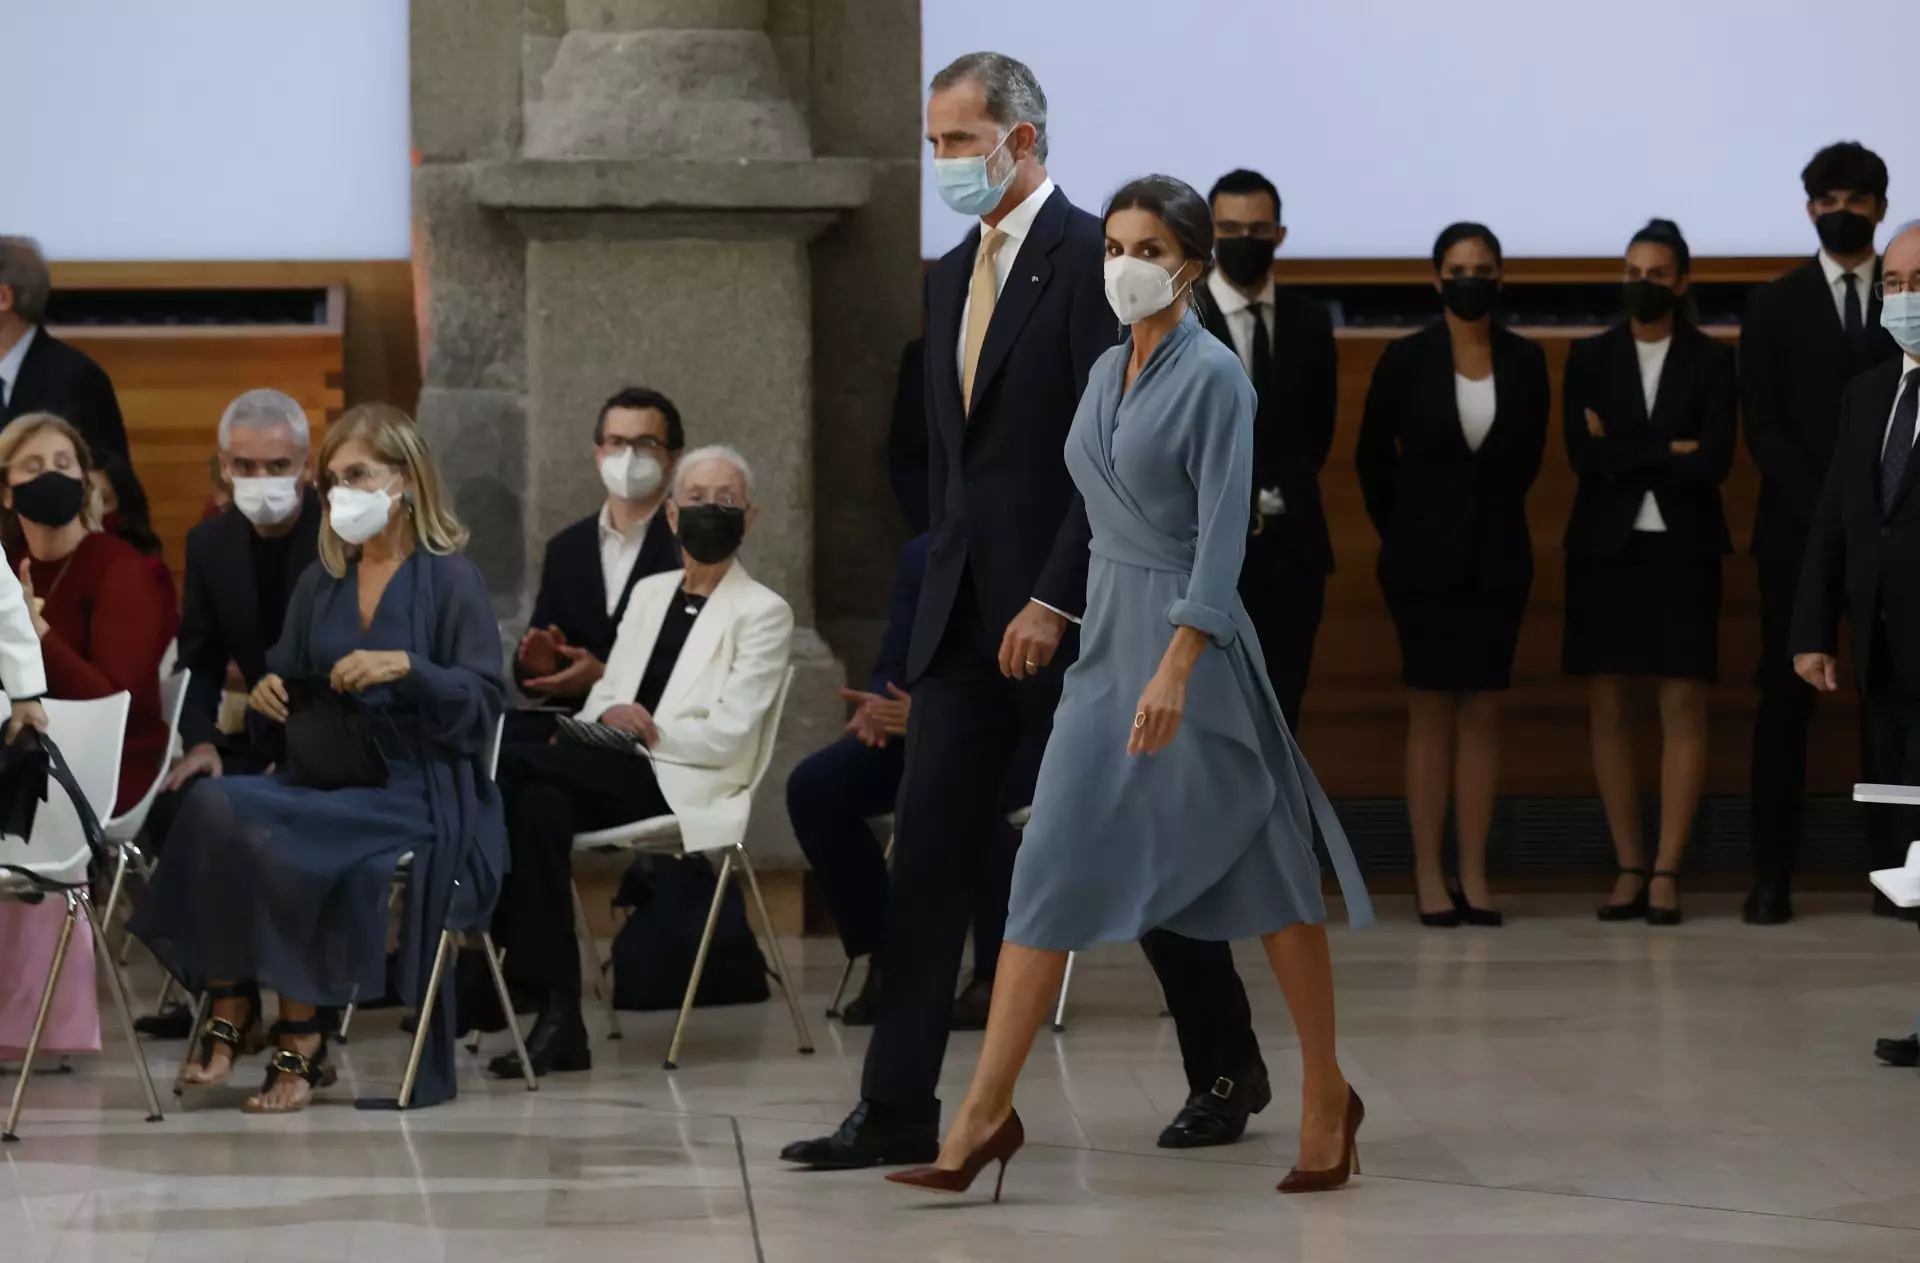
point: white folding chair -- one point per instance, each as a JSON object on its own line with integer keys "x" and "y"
{"x": 661, "y": 835}
{"x": 54, "y": 862}
{"x": 846, "y": 975}
{"x": 123, "y": 831}
{"x": 169, "y": 659}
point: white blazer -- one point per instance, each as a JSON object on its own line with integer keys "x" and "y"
{"x": 23, "y": 674}
{"x": 718, "y": 698}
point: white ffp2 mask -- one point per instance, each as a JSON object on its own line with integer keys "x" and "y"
{"x": 267, "y": 501}
{"x": 356, "y": 516}
{"x": 1137, "y": 288}
{"x": 631, "y": 475}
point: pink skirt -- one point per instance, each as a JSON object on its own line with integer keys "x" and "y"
{"x": 28, "y": 935}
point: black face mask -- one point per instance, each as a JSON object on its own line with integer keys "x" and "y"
{"x": 711, "y": 533}
{"x": 1470, "y": 297}
{"x": 1844, "y": 232}
{"x": 51, "y": 500}
{"x": 1245, "y": 260}
{"x": 1649, "y": 301}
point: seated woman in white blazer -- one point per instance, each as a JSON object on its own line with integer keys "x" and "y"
{"x": 700, "y": 658}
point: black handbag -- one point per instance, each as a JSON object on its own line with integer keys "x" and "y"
{"x": 28, "y": 764}
{"x": 329, "y": 742}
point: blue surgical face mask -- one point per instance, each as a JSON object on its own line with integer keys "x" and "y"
{"x": 965, "y": 184}
{"x": 1900, "y": 317}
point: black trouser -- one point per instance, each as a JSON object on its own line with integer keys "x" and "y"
{"x": 1779, "y": 786}
{"x": 1285, "y": 603}
{"x": 831, "y": 794}
{"x": 551, "y": 793}
{"x": 235, "y": 760}
{"x": 973, "y": 747}
{"x": 1889, "y": 755}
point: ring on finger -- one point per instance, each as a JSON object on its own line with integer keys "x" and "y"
{"x": 1140, "y": 719}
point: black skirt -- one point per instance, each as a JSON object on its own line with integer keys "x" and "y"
{"x": 1648, "y": 610}
{"x": 1460, "y": 639}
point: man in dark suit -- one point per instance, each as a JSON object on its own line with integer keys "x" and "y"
{"x": 1802, "y": 339}
{"x": 39, "y": 372}
{"x": 1015, "y": 317}
{"x": 591, "y": 566}
{"x": 907, "y": 437}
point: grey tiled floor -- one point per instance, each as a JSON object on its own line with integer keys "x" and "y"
{"x": 1556, "y": 1090}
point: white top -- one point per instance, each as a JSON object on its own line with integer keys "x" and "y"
{"x": 618, "y": 552}
{"x": 1838, "y": 287}
{"x": 1016, "y": 225}
{"x": 10, "y": 365}
{"x": 1907, "y": 365}
{"x": 1240, "y": 313}
{"x": 23, "y": 673}
{"x": 1475, "y": 402}
{"x": 1653, "y": 358}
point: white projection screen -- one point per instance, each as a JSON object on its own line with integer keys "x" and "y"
{"x": 206, "y": 129}
{"x": 1562, "y": 124}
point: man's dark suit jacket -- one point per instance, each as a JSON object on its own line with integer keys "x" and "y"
{"x": 1293, "y": 429}
{"x": 908, "y": 576}
{"x": 63, "y": 380}
{"x": 1863, "y": 557}
{"x": 907, "y": 437}
{"x": 1795, "y": 363}
{"x": 573, "y": 587}
{"x": 220, "y": 612}
{"x": 1002, "y": 507}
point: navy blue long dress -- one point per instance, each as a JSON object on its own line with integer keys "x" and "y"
{"x": 287, "y": 886}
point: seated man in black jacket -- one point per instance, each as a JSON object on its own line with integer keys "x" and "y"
{"x": 39, "y": 372}
{"x": 591, "y": 566}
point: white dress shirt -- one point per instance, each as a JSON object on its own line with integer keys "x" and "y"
{"x": 1653, "y": 359}
{"x": 1240, "y": 312}
{"x": 618, "y": 552}
{"x": 10, "y": 365}
{"x": 1016, "y": 225}
{"x": 1907, "y": 365}
{"x": 1837, "y": 286}
{"x": 1475, "y": 401}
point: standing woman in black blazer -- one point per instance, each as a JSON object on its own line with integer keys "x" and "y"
{"x": 1455, "y": 422}
{"x": 1650, "y": 428}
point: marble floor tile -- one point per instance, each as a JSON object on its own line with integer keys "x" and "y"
{"x": 1554, "y": 1090}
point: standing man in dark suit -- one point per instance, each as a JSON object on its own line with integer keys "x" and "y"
{"x": 591, "y": 566}
{"x": 39, "y": 372}
{"x": 907, "y": 437}
{"x": 1015, "y": 317}
{"x": 1803, "y": 338}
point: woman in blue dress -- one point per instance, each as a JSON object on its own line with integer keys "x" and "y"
{"x": 1171, "y": 794}
{"x": 269, "y": 884}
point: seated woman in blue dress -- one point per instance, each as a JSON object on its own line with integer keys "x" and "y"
{"x": 270, "y": 884}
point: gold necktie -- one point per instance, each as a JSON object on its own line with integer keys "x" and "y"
{"x": 981, "y": 294}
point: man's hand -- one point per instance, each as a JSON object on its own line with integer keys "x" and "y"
{"x": 1684, "y": 447}
{"x": 367, "y": 668}
{"x": 1032, "y": 638}
{"x": 633, "y": 717}
{"x": 876, "y": 719}
{"x": 539, "y": 650}
{"x": 1596, "y": 428}
{"x": 202, "y": 760}
{"x": 581, "y": 673}
{"x": 1822, "y": 670}
{"x": 26, "y": 715}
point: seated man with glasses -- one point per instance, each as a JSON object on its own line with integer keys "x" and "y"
{"x": 591, "y": 566}
{"x": 671, "y": 727}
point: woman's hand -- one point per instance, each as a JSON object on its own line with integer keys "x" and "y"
{"x": 1156, "y": 720}
{"x": 40, "y": 625}
{"x": 368, "y": 668}
{"x": 269, "y": 697}
{"x": 1684, "y": 447}
{"x": 26, "y": 715}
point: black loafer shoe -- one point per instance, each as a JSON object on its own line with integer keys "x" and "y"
{"x": 557, "y": 1043}
{"x": 173, "y": 1022}
{"x": 1767, "y": 905}
{"x": 865, "y": 1007}
{"x": 971, "y": 1005}
{"x": 1898, "y": 1052}
{"x": 1218, "y": 1115}
{"x": 872, "y": 1136}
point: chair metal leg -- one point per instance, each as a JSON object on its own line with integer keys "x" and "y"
{"x": 506, "y": 1008}
{"x": 840, "y": 992}
{"x": 113, "y": 891}
{"x": 773, "y": 950}
{"x": 9, "y": 1133}
{"x": 144, "y": 871}
{"x": 166, "y": 992}
{"x": 1060, "y": 1005}
{"x": 201, "y": 1005}
{"x": 118, "y": 986}
{"x": 597, "y": 974}
{"x": 340, "y": 1033}
{"x": 427, "y": 1005}
{"x": 700, "y": 960}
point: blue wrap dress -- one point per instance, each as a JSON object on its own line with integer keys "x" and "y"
{"x": 1212, "y": 837}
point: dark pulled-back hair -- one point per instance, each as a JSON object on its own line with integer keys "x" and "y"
{"x": 1664, "y": 232}
{"x": 1175, "y": 204}
{"x": 1466, "y": 230}
{"x": 1243, "y": 181}
{"x": 1848, "y": 165}
{"x": 642, "y": 397}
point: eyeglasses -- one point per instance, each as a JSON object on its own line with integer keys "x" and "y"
{"x": 693, "y": 496}
{"x": 1259, "y": 232}
{"x": 361, "y": 477}
{"x": 638, "y": 443}
{"x": 1908, "y": 284}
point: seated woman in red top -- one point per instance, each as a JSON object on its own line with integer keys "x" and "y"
{"x": 103, "y": 626}
{"x": 124, "y": 512}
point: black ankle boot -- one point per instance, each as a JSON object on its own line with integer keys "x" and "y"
{"x": 557, "y": 1042}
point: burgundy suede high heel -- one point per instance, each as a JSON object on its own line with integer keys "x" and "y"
{"x": 1000, "y": 1147}
{"x": 1299, "y": 1181}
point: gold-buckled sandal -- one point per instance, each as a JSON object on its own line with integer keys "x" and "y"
{"x": 314, "y": 1070}
{"x": 242, "y": 1040}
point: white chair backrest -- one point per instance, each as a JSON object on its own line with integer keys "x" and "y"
{"x": 90, "y": 735}
{"x": 168, "y": 661}
{"x": 769, "y": 732}
{"x": 173, "y": 703}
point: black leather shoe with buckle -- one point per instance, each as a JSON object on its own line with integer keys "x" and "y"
{"x": 1218, "y": 1115}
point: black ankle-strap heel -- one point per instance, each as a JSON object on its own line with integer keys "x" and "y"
{"x": 1663, "y": 916}
{"x": 315, "y": 1069}
{"x": 243, "y": 1039}
{"x": 1633, "y": 911}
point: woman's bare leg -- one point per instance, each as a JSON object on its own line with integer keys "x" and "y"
{"x": 1612, "y": 732}
{"x": 287, "y": 1092}
{"x": 1476, "y": 788}
{"x": 219, "y": 1067}
{"x": 1304, "y": 968}
{"x": 1430, "y": 726}
{"x": 1683, "y": 774}
{"x": 1024, "y": 988}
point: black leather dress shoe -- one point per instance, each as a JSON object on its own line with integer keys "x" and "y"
{"x": 1767, "y": 905}
{"x": 872, "y": 1136}
{"x": 971, "y": 1005}
{"x": 865, "y": 1007}
{"x": 557, "y": 1042}
{"x": 1218, "y": 1115}
{"x": 172, "y": 1022}
{"x": 1898, "y": 1052}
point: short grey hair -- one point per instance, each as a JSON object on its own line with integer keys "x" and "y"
{"x": 713, "y": 451}
{"x": 23, "y": 269}
{"x": 1902, "y": 231}
{"x": 264, "y": 410}
{"x": 1013, "y": 94}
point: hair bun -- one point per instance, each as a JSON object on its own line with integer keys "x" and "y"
{"x": 1662, "y": 225}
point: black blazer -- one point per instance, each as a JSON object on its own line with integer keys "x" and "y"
{"x": 1448, "y": 515}
{"x": 573, "y": 587}
{"x": 1001, "y": 505}
{"x": 1292, "y": 431}
{"x": 907, "y": 436}
{"x": 1795, "y": 363}
{"x": 64, "y": 380}
{"x": 1863, "y": 558}
{"x": 1695, "y": 400}
{"x": 220, "y": 612}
